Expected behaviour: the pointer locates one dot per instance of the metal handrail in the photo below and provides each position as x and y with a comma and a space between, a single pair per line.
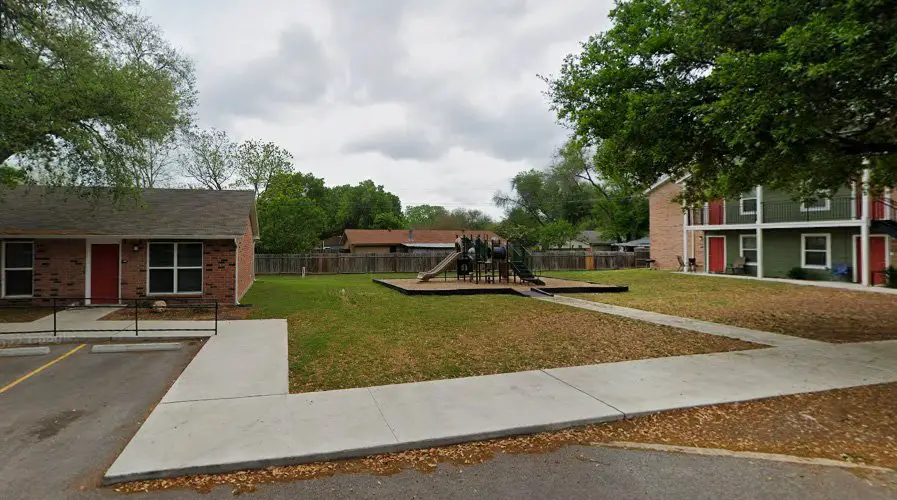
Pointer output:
60, 304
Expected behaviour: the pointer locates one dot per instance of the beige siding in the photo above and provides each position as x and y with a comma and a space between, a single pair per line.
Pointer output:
370, 249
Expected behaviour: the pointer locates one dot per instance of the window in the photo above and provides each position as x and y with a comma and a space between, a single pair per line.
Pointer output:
749, 249
18, 269
748, 205
175, 268
820, 205
816, 251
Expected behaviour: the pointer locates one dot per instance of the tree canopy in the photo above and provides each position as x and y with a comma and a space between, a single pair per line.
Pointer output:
795, 94
551, 206
82, 84
297, 210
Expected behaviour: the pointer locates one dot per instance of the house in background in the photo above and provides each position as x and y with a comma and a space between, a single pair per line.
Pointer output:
329, 245
831, 238
588, 240
631, 246
405, 240
81, 246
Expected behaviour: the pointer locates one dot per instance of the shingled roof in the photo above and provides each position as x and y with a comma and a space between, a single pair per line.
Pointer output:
377, 237
38, 210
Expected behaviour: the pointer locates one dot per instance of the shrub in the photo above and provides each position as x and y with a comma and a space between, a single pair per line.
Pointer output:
891, 277
798, 273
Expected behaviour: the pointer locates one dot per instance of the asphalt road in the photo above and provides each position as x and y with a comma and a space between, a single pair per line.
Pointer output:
578, 472
62, 427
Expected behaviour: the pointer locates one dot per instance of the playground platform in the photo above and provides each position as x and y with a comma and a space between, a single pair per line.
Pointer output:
452, 286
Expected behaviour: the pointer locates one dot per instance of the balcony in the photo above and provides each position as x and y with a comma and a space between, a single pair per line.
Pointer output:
831, 209
720, 213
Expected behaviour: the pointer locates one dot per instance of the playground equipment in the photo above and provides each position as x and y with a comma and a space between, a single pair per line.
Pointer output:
478, 259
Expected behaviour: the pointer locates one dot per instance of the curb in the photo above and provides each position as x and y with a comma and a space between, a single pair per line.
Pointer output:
24, 351
108, 348
349, 453
755, 455
28, 341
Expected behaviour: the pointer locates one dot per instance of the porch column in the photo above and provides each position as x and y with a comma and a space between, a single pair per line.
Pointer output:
864, 232
759, 191
685, 240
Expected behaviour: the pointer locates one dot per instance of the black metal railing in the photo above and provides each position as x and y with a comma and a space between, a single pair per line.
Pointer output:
841, 208
56, 305
832, 209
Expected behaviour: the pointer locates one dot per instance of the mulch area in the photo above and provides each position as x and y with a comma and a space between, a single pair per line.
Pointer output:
179, 313
23, 314
857, 425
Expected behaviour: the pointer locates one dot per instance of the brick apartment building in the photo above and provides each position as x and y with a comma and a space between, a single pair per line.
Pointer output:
82, 246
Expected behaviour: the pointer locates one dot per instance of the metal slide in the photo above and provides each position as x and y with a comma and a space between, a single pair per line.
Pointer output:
436, 271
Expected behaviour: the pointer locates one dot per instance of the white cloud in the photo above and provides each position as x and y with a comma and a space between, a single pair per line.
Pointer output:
438, 101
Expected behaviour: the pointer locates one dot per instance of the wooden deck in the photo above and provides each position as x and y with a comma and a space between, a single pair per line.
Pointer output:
451, 286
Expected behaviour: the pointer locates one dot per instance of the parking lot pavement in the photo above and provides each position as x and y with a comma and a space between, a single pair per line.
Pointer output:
65, 416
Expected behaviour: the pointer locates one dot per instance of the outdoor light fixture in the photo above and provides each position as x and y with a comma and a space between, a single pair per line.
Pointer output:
136, 248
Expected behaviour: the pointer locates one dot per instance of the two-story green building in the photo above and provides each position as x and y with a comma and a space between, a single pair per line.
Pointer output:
770, 233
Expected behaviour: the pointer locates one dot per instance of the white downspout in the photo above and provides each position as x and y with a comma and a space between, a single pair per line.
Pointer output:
759, 222
685, 240
864, 232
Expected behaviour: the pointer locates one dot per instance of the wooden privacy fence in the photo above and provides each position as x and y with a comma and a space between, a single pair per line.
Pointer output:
333, 263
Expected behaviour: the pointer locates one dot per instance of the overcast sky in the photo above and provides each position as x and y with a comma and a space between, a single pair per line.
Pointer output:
437, 100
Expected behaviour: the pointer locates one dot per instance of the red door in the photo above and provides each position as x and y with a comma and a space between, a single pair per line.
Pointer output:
716, 212
716, 248
104, 274
876, 256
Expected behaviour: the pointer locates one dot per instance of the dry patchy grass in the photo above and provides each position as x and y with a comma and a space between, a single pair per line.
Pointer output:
826, 314
23, 314
856, 425
347, 332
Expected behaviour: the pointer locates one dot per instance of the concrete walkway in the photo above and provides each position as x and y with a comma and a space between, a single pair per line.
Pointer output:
248, 427
735, 332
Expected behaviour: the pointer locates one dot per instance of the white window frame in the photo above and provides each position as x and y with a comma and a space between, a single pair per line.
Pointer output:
3, 269
741, 209
803, 250
826, 208
741, 248
174, 267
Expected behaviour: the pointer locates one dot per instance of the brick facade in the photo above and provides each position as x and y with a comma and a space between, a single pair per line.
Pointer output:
665, 219
246, 260
666, 229
60, 267
219, 266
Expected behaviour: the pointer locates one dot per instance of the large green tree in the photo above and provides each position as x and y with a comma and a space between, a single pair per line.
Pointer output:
796, 94
358, 207
291, 211
83, 83
570, 195
258, 162
424, 216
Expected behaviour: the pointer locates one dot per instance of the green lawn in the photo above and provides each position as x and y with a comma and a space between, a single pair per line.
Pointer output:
826, 314
345, 331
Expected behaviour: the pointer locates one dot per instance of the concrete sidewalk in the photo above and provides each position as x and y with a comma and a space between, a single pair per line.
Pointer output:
244, 430
735, 332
